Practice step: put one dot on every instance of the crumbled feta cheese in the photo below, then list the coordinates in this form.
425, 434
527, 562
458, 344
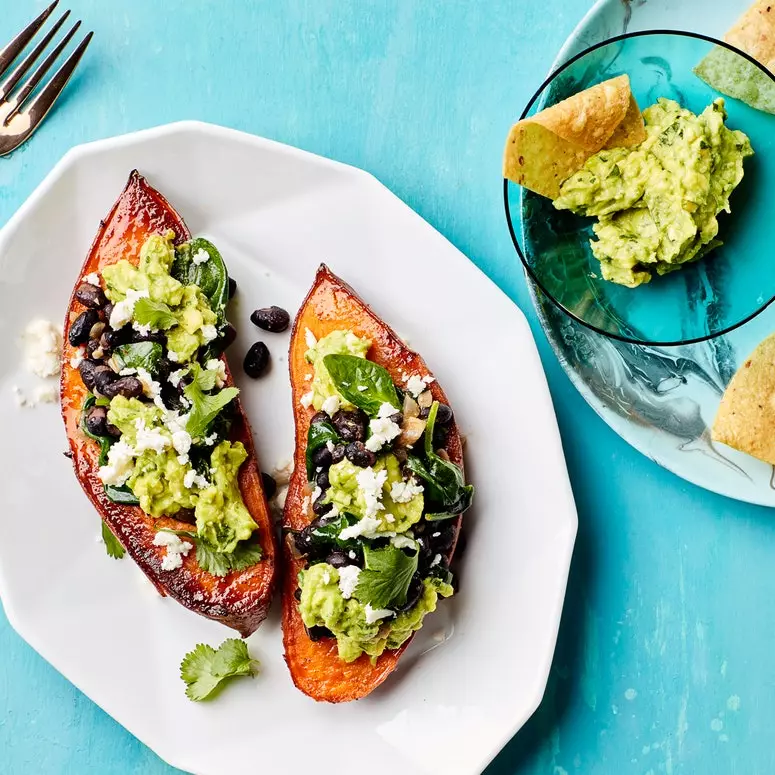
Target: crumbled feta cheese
92, 278
307, 377
176, 376
21, 399
306, 400
173, 356
151, 388
45, 394
415, 385
209, 332
366, 527
374, 615
331, 405
194, 479
352, 555
330, 445
403, 542
348, 580
382, 428
119, 466
282, 471
211, 439
200, 257
124, 309
389, 518
316, 493
362, 388
403, 492
310, 338
436, 534
42, 344
436, 561
141, 329
150, 438
78, 358
177, 549
326, 577
371, 484
181, 441
219, 367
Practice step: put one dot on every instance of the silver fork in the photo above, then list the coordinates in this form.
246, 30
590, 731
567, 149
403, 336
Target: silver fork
21, 115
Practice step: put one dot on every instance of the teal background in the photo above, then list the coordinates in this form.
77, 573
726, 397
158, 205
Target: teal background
664, 662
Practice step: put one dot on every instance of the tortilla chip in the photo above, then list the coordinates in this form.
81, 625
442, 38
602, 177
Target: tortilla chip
589, 118
754, 33
746, 416
730, 74
632, 130
539, 159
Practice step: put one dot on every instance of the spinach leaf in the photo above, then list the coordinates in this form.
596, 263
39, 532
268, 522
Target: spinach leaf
319, 434
155, 314
247, 554
349, 373
205, 407
445, 487
319, 540
385, 580
139, 355
121, 495
210, 275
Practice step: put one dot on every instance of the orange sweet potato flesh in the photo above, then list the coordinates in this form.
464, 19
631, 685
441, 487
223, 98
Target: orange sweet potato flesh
331, 305
241, 599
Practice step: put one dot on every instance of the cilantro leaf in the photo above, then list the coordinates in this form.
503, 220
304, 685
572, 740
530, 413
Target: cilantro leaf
155, 314
112, 545
221, 564
385, 580
205, 670
205, 407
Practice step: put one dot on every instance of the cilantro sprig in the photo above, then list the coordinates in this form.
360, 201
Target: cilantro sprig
155, 314
206, 670
112, 545
205, 406
221, 564
386, 577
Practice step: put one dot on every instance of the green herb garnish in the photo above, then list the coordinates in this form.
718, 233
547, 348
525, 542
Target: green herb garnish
205, 670
385, 580
112, 545
205, 406
349, 373
139, 355
155, 314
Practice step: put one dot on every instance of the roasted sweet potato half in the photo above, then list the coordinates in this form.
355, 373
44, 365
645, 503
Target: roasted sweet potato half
331, 304
241, 599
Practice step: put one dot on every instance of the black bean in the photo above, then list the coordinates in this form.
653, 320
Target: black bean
337, 456
319, 417
232, 287
227, 337
270, 485
107, 310
97, 420
444, 414
86, 370
164, 369
257, 360
322, 458
413, 594
94, 346
322, 480
297, 594
90, 295
397, 418
103, 376
318, 633
274, 319
129, 387
339, 559
441, 543
186, 515
358, 455
82, 326
149, 336
351, 426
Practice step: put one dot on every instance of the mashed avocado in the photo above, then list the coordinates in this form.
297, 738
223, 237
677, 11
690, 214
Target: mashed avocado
193, 318
346, 494
336, 343
657, 203
323, 605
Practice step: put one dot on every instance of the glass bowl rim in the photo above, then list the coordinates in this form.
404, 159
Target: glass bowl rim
534, 277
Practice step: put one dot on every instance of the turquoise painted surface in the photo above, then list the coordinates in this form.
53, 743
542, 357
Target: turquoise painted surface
664, 662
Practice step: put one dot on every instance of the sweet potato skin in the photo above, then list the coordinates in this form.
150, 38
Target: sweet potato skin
331, 304
241, 599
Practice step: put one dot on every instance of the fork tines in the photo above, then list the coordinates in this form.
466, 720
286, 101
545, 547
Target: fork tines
15, 94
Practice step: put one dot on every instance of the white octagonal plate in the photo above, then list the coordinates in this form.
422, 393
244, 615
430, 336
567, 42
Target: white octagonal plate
478, 668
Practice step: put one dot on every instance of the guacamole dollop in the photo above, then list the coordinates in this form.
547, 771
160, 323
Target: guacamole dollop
657, 203
323, 605
335, 343
192, 321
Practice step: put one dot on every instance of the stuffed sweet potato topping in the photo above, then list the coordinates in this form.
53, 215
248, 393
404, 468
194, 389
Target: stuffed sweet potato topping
158, 438
374, 505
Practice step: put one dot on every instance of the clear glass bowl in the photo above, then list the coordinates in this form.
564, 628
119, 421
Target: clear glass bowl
712, 296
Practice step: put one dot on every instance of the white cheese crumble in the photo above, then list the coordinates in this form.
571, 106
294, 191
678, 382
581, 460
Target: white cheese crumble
219, 367
306, 400
150, 438
330, 445
78, 358
331, 405
210, 440
436, 561
375, 614
176, 376
416, 384
383, 429
151, 388
209, 332
316, 493
352, 555
326, 577
124, 309
371, 484
42, 343
194, 479
119, 466
403, 542
141, 329
177, 549
366, 527
200, 257
45, 394
92, 278
307, 377
362, 388
173, 356
403, 492
348, 580
181, 442
310, 338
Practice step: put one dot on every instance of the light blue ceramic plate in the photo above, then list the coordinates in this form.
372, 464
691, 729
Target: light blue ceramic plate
663, 400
